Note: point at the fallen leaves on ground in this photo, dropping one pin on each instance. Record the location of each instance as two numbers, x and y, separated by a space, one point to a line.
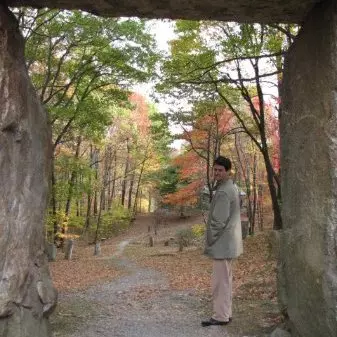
143 292
84 269
254 272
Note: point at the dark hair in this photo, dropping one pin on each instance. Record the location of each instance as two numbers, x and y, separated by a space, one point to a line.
223 161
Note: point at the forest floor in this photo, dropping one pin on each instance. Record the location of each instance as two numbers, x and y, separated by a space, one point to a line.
134 290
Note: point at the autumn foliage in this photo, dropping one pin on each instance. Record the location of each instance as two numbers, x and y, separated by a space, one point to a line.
203 140
272 125
140 113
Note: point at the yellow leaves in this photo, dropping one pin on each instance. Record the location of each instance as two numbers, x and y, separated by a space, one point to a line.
198 230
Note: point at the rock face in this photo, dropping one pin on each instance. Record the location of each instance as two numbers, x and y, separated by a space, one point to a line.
229 10
308 265
278 332
27 296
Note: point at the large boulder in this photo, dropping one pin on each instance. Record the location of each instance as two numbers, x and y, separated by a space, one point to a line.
27 296
308 258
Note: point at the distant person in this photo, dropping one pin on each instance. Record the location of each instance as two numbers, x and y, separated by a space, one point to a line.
223 240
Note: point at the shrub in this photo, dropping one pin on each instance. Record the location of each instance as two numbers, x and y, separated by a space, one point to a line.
189 236
117 220
76 224
185 237
198 230
62 224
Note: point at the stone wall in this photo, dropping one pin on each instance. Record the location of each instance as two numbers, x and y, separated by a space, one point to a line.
229 10
308 264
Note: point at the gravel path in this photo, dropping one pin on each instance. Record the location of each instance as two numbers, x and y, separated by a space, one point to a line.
139 304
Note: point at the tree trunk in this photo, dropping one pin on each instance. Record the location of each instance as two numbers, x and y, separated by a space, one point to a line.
27 294
78 208
138 199
273 192
89 197
101 203
73 177
99 216
96 166
150 203
113 185
53 202
125 172
95 199
245 170
252 229
260 207
138 188
132 181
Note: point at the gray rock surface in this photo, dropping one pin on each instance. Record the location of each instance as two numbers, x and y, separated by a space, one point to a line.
27 296
229 10
280 333
308 265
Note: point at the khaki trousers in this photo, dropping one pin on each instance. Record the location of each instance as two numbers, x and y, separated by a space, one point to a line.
222 289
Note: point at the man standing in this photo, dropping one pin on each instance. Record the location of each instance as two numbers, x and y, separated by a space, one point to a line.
223 240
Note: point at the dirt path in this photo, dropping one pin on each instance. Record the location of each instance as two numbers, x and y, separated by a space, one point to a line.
140 303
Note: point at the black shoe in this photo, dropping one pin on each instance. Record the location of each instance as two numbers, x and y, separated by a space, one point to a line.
213 321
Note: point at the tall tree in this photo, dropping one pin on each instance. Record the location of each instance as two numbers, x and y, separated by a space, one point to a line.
82 66
235 70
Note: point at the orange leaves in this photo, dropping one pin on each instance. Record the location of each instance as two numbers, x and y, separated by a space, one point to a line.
226 121
186 195
84 270
213 124
191 169
190 165
140 113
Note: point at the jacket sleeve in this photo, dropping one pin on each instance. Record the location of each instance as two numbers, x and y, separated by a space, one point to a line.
219 217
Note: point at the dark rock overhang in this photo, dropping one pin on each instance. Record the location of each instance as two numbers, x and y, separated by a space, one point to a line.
264 11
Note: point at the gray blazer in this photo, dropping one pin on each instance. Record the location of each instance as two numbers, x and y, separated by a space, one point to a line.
223 233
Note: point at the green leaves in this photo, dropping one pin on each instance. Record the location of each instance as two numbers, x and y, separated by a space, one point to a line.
160 133
83 65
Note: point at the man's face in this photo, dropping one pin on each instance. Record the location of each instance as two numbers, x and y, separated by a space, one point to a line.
219 172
